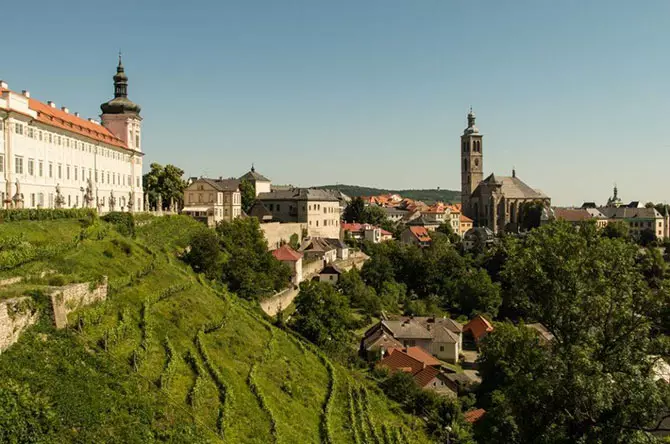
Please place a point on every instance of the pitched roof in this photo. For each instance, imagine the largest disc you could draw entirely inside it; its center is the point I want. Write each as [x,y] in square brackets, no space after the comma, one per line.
[407,329]
[465,219]
[299,194]
[479,326]
[417,353]
[630,213]
[380,339]
[473,416]
[421,221]
[254,176]
[60,119]
[425,375]
[331,269]
[572,214]
[219,184]
[420,233]
[426,321]
[318,244]
[402,361]
[259,211]
[513,187]
[286,253]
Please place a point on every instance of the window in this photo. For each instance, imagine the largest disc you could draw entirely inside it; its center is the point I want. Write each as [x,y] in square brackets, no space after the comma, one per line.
[31,132]
[69,201]
[107,176]
[270,207]
[58,140]
[18,164]
[1,128]
[102,177]
[31,167]
[75,172]
[441,348]
[67,143]
[40,199]
[40,136]
[18,128]
[277,207]
[83,173]
[476,162]
[32,200]
[60,171]
[137,180]
[51,170]
[137,141]
[40,168]
[96,176]
[50,138]
[317,223]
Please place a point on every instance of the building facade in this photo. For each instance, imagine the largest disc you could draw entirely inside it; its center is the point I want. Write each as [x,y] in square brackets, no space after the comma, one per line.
[319,210]
[494,202]
[52,158]
[213,200]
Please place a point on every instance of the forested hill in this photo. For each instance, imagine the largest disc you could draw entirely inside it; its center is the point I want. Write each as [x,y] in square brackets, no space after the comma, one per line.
[428,195]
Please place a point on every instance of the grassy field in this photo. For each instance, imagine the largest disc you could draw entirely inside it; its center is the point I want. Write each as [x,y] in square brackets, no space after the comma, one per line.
[170,357]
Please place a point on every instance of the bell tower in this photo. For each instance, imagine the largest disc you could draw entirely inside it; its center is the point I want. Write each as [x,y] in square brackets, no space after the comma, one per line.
[472,162]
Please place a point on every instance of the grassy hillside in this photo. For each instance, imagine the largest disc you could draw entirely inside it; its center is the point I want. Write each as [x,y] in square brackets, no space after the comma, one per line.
[429,196]
[168,357]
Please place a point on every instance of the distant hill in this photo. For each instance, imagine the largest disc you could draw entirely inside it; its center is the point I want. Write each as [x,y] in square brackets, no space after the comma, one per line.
[428,196]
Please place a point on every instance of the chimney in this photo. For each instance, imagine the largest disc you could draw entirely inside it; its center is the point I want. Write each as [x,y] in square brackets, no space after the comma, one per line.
[3,84]
[65,110]
[26,93]
[76,114]
[51,104]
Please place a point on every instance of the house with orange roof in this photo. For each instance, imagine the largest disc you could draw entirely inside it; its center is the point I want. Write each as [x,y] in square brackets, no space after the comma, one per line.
[472,416]
[422,366]
[477,329]
[51,157]
[464,224]
[416,235]
[287,255]
[364,232]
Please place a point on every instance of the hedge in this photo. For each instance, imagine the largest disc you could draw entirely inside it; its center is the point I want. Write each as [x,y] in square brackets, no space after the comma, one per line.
[14,215]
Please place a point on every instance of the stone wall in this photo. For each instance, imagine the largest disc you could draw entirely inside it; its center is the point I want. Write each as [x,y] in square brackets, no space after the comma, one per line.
[71,297]
[16,315]
[276,232]
[279,301]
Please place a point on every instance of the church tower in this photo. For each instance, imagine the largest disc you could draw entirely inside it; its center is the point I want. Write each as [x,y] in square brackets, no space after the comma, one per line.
[472,163]
[122,118]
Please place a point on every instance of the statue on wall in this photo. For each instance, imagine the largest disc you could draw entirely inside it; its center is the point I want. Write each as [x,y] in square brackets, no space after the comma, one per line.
[112,201]
[146,202]
[88,196]
[18,196]
[130,201]
[60,199]
[172,209]
[159,203]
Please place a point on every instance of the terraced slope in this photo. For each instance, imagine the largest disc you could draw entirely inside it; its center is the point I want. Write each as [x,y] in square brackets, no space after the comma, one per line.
[170,357]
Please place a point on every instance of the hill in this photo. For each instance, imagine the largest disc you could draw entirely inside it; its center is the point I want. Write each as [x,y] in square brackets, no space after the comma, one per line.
[429,195]
[169,356]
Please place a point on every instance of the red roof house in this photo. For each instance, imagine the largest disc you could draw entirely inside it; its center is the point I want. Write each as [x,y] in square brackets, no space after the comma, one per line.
[286,253]
[423,367]
[473,416]
[478,327]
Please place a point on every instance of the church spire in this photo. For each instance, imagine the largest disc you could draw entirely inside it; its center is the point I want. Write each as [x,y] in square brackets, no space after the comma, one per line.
[120,104]
[471,129]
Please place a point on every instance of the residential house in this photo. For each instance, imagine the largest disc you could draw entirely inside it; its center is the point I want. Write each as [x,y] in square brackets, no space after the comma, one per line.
[259,211]
[212,200]
[429,224]
[639,219]
[442,337]
[318,210]
[424,369]
[436,214]
[396,214]
[293,259]
[482,236]
[341,247]
[476,330]
[416,236]
[455,219]
[376,344]
[577,216]
[317,248]
[330,273]
[465,224]
[365,232]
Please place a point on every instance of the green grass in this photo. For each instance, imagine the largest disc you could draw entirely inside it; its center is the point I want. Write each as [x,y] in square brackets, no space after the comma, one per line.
[103,376]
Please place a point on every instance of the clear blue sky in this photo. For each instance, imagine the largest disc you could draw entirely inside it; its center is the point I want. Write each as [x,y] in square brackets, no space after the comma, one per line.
[573,93]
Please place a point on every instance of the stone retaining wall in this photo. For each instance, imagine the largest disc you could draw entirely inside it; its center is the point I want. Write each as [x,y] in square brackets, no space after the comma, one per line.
[16,315]
[71,297]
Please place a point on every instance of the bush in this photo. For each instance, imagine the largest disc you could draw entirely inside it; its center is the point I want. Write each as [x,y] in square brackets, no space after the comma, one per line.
[14,215]
[57,280]
[123,222]
[124,246]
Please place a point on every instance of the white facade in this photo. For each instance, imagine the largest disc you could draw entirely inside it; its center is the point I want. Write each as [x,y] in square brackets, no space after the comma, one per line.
[42,147]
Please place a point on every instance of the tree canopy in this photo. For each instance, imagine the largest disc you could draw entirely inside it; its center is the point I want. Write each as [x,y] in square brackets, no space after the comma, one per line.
[248,194]
[165,181]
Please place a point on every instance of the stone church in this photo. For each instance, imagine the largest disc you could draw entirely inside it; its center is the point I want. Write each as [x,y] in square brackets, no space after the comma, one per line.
[493,202]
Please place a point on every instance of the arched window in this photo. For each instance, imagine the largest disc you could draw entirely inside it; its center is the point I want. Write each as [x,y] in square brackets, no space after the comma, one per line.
[476,162]
[465,164]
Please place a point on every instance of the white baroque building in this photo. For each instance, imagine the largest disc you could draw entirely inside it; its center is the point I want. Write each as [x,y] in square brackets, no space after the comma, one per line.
[52,158]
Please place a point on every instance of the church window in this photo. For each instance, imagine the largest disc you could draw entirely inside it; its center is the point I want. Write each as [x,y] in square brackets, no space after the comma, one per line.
[465,164]
[476,162]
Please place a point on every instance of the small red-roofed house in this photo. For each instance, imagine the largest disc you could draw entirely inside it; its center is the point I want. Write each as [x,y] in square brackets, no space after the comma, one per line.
[477,328]
[472,416]
[416,235]
[293,259]
[424,368]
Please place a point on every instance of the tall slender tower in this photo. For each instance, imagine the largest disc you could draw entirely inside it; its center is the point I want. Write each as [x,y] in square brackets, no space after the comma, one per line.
[472,162]
[122,117]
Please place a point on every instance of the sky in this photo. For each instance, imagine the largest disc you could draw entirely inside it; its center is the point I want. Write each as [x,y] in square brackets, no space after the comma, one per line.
[573,94]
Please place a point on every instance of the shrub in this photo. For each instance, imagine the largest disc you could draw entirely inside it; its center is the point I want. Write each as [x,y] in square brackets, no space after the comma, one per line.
[57,280]
[123,222]
[14,215]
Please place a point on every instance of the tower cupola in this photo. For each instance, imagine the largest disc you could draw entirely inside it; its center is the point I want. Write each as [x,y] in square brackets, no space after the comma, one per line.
[120,104]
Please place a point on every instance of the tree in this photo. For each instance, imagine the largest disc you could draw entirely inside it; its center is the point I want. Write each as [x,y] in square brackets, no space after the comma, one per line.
[373,215]
[530,214]
[354,211]
[447,229]
[248,267]
[322,315]
[165,181]
[294,241]
[205,253]
[360,295]
[591,383]
[25,416]
[647,237]
[248,193]
[617,230]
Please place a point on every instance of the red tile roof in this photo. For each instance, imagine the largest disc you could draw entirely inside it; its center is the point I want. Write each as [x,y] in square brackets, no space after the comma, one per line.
[420,233]
[60,119]
[424,376]
[286,253]
[465,219]
[400,360]
[386,233]
[479,327]
[419,354]
[473,416]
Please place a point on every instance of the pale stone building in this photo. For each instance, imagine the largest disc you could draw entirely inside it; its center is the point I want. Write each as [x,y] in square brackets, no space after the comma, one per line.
[51,157]
[260,183]
[213,200]
[493,202]
[319,210]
